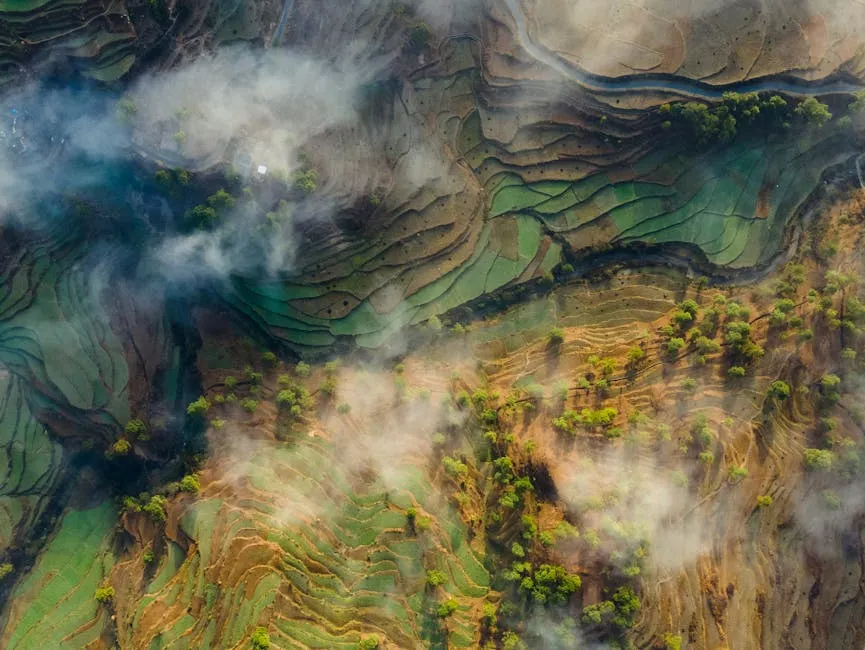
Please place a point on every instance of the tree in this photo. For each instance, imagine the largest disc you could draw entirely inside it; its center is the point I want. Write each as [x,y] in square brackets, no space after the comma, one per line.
[447,608]
[736,372]
[674,345]
[368,643]
[556,336]
[135,428]
[819,460]
[813,111]
[435,578]
[302,369]
[635,355]
[198,407]
[260,639]
[104,595]
[203,216]
[779,390]
[190,483]
[121,447]
[156,508]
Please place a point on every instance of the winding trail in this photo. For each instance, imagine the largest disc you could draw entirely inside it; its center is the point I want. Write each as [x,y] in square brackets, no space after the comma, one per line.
[669,82]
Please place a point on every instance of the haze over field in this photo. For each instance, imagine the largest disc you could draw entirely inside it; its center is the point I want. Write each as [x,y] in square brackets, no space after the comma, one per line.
[499,324]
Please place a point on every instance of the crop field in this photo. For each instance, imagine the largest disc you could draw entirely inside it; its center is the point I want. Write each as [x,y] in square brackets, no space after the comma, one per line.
[305,559]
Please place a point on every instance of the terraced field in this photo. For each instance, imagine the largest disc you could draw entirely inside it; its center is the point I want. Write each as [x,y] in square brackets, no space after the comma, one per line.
[318,559]
[98,37]
[56,337]
[53,606]
[31,461]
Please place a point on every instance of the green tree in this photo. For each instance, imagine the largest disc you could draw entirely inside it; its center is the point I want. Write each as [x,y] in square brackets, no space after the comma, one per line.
[813,111]
[260,639]
[190,483]
[104,595]
[779,390]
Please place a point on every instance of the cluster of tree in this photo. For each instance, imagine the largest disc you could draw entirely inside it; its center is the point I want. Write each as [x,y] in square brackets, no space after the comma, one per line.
[589,418]
[710,124]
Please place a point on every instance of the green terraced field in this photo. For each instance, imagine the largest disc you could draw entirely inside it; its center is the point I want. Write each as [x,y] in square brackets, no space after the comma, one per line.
[344,559]
[55,337]
[30,462]
[732,203]
[54,606]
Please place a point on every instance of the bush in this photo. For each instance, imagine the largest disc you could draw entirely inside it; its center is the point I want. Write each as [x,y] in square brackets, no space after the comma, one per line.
[736,372]
[738,473]
[368,643]
[5,569]
[690,384]
[764,501]
[302,369]
[269,358]
[249,405]
[147,558]
[104,595]
[260,639]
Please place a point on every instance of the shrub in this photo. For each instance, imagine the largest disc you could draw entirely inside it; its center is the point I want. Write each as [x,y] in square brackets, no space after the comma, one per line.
[147,558]
[556,336]
[368,643]
[249,405]
[736,372]
[260,639]
[764,501]
[269,358]
[690,384]
[738,473]
[5,569]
